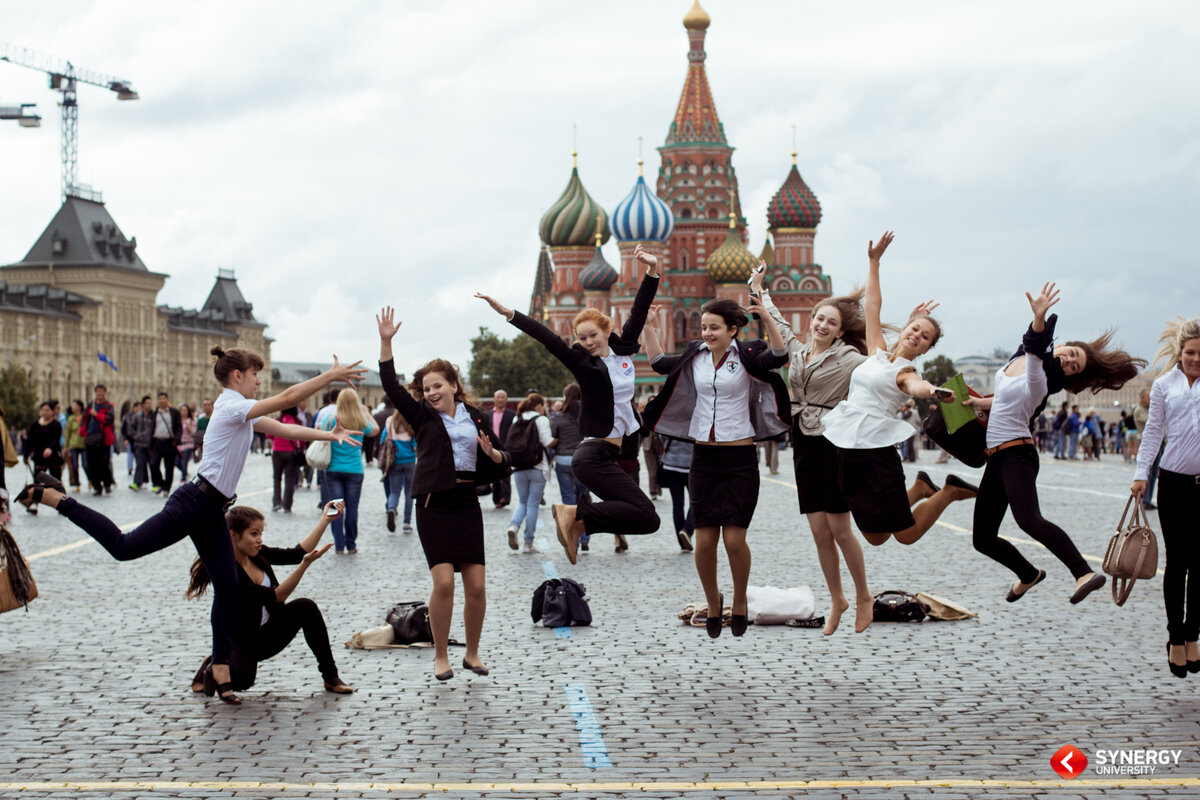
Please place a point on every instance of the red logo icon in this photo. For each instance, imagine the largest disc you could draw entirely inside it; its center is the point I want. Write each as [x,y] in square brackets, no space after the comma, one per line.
[1069,762]
[624,364]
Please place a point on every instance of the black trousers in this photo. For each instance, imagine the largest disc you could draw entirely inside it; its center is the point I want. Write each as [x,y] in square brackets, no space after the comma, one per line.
[98,464]
[141,472]
[681,510]
[1178,500]
[286,471]
[1010,481]
[188,512]
[299,615]
[624,508]
[162,463]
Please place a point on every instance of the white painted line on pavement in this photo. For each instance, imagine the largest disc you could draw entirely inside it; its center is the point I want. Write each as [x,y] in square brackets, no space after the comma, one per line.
[595,754]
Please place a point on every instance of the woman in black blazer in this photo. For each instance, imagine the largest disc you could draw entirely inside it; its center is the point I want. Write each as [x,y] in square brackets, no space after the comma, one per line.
[722,394]
[602,364]
[265,621]
[456,451]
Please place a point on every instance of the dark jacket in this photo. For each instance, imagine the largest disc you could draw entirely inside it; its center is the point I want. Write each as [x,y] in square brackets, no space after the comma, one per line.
[1040,345]
[435,455]
[175,423]
[670,411]
[506,421]
[596,414]
[96,425]
[38,438]
[253,597]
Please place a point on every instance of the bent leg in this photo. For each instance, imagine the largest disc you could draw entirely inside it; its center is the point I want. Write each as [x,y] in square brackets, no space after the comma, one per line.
[623,507]
[991,504]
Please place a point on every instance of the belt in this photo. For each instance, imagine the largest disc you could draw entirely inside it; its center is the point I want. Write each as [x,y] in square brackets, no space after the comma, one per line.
[1010,443]
[211,491]
[1180,476]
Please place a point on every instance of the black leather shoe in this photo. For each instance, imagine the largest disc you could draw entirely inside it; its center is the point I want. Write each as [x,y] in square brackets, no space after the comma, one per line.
[1178,670]
[477,669]
[444,676]
[713,624]
[737,624]
[1014,597]
[958,483]
[924,478]
[1083,591]
[1192,666]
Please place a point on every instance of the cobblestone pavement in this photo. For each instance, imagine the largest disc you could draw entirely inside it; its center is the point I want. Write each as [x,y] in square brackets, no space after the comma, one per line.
[96,703]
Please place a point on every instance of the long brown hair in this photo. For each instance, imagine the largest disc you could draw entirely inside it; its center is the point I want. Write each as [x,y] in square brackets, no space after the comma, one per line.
[239,518]
[1105,368]
[397,423]
[416,387]
[530,403]
[854,322]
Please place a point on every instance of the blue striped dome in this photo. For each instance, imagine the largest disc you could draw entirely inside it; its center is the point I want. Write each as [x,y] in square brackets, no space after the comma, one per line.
[642,216]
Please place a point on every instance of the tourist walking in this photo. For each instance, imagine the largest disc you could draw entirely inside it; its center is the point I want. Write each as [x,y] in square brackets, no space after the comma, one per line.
[722,395]
[42,450]
[566,428]
[166,430]
[1036,371]
[398,462]
[457,450]
[197,508]
[529,438]
[1175,413]
[344,475]
[673,468]
[502,418]
[75,444]
[138,429]
[187,438]
[286,455]
[99,434]
[265,620]
[866,431]
[601,361]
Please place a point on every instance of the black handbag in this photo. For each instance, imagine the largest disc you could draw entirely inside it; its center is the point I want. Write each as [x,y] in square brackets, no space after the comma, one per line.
[410,622]
[967,444]
[561,603]
[894,606]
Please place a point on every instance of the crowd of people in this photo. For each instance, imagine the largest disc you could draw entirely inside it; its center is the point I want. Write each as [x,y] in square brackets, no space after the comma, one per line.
[842,408]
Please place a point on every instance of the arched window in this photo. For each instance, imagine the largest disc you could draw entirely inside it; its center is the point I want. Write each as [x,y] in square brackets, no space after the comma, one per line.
[683,260]
[686,213]
[680,326]
[694,325]
[783,285]
[713,213]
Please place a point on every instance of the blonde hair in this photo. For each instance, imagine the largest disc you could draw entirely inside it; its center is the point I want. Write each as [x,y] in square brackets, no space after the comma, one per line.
[1178,331]
[350,414]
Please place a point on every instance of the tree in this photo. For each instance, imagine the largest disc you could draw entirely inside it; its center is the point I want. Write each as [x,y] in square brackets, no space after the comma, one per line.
[17,398]
[938,370]
[514,365]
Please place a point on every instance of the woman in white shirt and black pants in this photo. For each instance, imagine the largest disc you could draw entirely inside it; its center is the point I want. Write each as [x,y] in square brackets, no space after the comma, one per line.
[1175,412]
[1037,371]
[530,478]
[602,363]
[721,394]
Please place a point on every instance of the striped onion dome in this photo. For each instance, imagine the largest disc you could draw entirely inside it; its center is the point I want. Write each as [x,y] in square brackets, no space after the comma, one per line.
[794,205]
[598,275]
[731,262]
[642,216]
[572,218]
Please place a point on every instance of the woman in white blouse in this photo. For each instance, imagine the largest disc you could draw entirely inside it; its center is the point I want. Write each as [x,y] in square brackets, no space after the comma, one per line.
[1175,412]
[529,475]
[865,429]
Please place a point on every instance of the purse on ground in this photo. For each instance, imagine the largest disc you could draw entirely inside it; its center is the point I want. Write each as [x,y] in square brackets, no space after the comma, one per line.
[1132,552]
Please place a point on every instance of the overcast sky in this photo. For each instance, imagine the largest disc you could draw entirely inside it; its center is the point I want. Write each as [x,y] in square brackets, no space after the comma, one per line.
[343,155]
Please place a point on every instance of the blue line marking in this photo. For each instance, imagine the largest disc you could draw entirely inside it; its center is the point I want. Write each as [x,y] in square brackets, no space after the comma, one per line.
[551,574]
[595,754]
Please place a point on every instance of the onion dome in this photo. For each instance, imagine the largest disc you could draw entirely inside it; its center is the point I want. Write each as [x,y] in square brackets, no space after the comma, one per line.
[569,220]
[697,19]
[642,216]
[598,275]
[794,205]
[731,262]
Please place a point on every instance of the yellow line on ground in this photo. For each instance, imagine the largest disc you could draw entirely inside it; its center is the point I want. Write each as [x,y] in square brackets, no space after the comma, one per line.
[75,545]
[604,787]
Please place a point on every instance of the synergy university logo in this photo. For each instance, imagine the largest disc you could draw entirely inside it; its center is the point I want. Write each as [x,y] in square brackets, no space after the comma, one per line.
[1070,762]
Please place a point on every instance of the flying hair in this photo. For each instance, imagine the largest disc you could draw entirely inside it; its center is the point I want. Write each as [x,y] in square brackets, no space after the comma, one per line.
[1106,367]
[1177,332]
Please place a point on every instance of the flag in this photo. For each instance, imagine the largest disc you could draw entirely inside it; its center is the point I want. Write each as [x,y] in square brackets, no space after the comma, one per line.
[106,360]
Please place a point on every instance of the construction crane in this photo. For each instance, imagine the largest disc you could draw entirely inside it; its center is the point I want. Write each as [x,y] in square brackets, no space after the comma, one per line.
[64,77]
[24,114]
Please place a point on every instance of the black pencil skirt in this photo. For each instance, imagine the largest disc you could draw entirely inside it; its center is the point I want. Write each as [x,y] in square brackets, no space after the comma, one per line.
[723,485]
[817,487]
[450,526]
[872,482]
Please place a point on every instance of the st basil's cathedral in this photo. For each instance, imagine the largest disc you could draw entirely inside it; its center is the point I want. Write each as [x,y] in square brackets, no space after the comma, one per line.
[692,222]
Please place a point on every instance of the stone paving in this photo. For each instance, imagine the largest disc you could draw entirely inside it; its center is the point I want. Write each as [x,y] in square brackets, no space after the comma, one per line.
[94,678]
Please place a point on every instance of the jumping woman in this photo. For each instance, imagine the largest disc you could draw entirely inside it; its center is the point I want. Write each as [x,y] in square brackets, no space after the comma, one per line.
[819,376]
[1175,413]
[456,451]
[602,365]
[722,395]
[865,429]
[267,621]
[197,508]
[1038,370]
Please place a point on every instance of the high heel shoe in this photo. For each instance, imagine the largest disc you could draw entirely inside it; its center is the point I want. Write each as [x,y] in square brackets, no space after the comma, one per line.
[477,669]
[713,624]
[31,495]
[1178,670]
[199,678]
[211,687]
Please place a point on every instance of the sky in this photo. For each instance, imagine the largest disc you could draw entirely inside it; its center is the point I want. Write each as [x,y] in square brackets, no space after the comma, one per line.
[343,156]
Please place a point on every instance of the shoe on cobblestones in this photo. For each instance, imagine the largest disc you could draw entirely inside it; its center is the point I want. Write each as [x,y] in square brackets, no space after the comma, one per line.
[478,669]
[713,624]
[407,528]
[156,490]
[391,520]
[1092,585]
[512,538]
[444,676]
[338,686]
[622,544]
[1178,670]
[137,487]
[1014,597]
[685,542]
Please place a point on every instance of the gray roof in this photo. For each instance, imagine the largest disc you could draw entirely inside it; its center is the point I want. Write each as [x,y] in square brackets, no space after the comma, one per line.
[226,302]
[189,320]
[83,233]
[293,372]
[41,299]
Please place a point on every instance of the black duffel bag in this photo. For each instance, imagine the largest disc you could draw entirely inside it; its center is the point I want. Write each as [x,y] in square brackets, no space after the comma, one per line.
[966,444]
[410,622]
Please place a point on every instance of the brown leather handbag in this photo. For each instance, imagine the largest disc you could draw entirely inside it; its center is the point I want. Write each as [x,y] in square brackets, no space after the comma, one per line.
[1132,552]
[16,583]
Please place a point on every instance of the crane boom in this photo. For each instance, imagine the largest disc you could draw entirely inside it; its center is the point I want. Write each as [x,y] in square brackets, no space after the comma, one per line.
[64,76]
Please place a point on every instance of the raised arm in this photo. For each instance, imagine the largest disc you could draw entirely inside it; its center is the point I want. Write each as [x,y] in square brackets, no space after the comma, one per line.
[284,590]
[873,301]
[409,408]
[636,320]
[774,337]
[346,373]
[548,338]
[650,339]
[757,280]
[1038,339]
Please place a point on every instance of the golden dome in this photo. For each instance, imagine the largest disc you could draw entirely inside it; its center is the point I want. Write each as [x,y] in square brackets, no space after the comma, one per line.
[697,19]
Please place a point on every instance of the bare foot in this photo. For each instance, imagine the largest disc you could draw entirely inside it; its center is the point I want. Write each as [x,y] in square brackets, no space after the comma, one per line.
[864,614]
[835,615]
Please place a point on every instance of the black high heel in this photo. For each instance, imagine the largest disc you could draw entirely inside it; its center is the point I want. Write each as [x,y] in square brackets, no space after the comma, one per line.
[478,670]
[1178,670]
[713,624]
[199,678]
[211,687]
[31,495]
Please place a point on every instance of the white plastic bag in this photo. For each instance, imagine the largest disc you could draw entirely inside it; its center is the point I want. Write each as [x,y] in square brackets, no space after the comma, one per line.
[770,605]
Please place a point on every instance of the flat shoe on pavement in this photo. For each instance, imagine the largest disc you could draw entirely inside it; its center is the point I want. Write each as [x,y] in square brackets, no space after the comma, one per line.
[1014,597]
[1083,591]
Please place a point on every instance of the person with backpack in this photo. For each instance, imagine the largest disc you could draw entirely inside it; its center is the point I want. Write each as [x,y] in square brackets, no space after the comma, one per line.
[528,437]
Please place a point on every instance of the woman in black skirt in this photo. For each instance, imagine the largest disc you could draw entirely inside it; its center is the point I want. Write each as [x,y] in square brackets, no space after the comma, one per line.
[721,394]
[602,365]
[456,450]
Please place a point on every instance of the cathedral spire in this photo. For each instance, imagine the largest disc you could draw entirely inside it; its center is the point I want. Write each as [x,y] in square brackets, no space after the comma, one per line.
[696,117]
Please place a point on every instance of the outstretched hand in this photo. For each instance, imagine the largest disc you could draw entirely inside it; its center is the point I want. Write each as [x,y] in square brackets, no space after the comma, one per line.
[652,315]
[485,444]
[650,261]
[349,373]
[313,555]
[388,324]
[1042,303]
[755,306]
[923,309]
[875,251]
[344,436]
[500,309]
[758,276]
[336,506]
